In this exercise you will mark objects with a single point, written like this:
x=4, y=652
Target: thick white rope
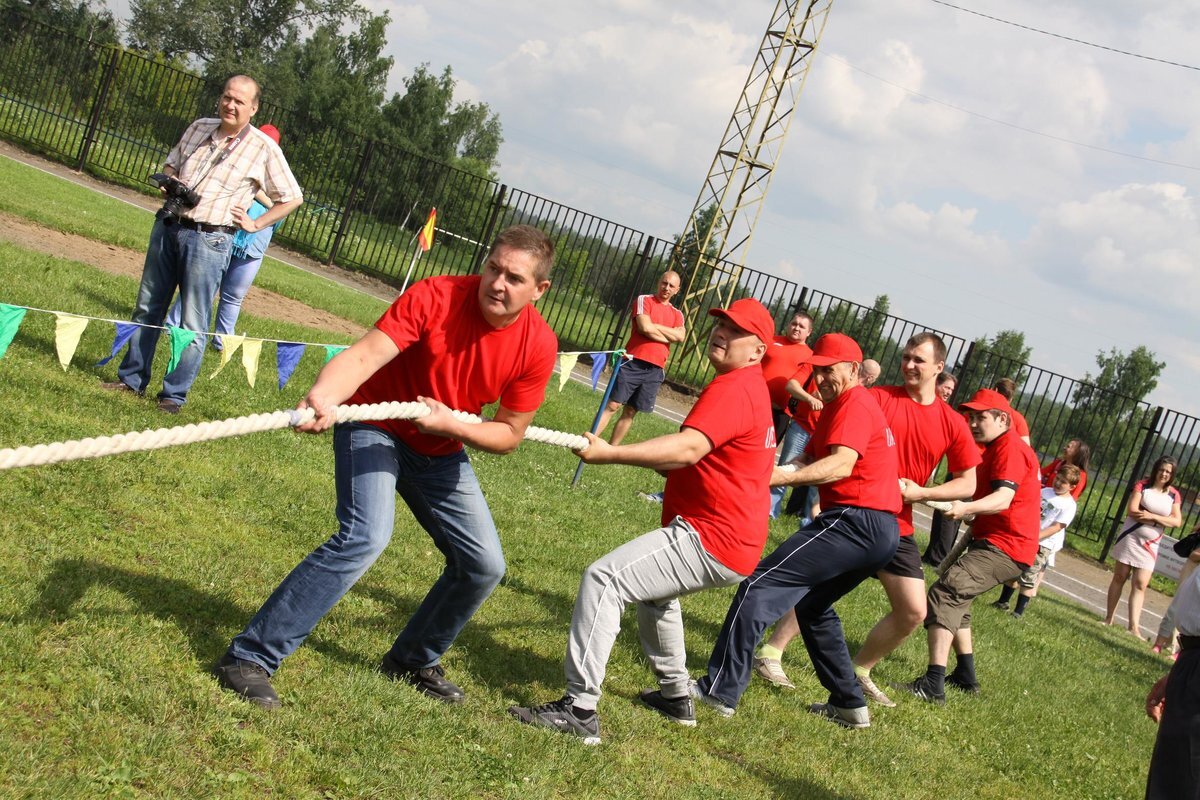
x=157, y=439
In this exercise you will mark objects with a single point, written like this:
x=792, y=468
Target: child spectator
x=1058, y=509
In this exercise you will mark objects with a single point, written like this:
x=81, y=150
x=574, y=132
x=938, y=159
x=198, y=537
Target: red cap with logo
x=834, y=348
x=749, y=315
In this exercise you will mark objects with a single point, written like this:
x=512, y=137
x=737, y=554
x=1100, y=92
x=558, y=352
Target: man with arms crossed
x=656, y=326
x=714, y=524
x=1007, y=509
x=926, y=430
x=439, y=330
x=853, y=463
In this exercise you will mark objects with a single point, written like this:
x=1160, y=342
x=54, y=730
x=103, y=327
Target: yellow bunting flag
x=229, y=346
x=566, y=363
x=250, y=351
x=425, y=237
x=67, y=330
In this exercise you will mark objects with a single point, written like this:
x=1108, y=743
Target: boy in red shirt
x=1007, y=511
x=714, y=524
x=440, y=331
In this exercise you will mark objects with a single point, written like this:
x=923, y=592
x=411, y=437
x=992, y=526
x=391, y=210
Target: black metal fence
x=116, y=114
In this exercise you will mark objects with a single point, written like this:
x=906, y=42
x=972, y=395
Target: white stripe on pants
x=653, y=570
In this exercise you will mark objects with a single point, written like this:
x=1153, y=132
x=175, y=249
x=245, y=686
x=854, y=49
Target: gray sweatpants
x=653, y=570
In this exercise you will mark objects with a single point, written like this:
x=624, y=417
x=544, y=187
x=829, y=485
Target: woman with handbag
x=1154, y=506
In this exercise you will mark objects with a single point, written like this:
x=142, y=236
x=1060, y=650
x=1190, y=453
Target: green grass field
x=126, y=577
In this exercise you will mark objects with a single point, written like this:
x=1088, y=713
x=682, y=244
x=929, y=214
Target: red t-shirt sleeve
x=528, y=389
x=1009, y=465
x=964, y=452
x=850, y=427
x=716, y=415
x=407, y=317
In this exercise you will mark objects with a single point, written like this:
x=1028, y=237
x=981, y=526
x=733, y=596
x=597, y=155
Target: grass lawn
x=128, y=576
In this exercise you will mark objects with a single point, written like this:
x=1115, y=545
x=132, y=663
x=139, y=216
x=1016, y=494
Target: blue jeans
x=238, y=278
x=193, y=262
x=793, y=445
x=370, y=468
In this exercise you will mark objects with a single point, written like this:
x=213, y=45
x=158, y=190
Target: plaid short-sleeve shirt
x=256, y=163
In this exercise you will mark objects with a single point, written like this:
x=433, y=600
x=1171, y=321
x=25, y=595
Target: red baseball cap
x=271, y=131
x=749, y=315
x=986, y=400
x=834, y=348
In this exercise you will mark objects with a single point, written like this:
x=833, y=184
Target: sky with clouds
x=893, y=179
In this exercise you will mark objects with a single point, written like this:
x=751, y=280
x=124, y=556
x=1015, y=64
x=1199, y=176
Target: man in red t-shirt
x=656, y=326
x=1019, y=425
x=451, y=343
x=1004, y=543
x=714, y=525
x=786, y=368
x=926, y=430
x=853, y=463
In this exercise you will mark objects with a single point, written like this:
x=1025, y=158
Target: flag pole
x=618, y=359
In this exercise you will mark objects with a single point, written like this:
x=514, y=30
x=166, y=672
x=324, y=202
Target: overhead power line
x=1065, y=38
x=1012, y=125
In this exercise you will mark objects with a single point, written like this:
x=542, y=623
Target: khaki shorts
x=1028, y=579
x=982, y=567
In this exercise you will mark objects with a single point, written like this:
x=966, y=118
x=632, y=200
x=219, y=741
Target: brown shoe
x=119, y=386
x=169, y=406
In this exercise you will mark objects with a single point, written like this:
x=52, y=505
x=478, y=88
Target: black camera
x=180, y=198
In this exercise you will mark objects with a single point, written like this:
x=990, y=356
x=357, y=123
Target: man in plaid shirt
x=226, y=161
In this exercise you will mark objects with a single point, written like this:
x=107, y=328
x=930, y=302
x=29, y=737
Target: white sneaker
x=846, y=717
x=874, y=693
x=771, y=671
x=710, y=701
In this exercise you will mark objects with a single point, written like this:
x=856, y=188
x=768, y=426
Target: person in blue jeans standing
x=244, y=262
x=437, y=333
x=221, y=163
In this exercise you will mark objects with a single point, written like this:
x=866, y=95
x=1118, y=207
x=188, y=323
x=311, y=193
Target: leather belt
x=1189, y=642
x=204, y=227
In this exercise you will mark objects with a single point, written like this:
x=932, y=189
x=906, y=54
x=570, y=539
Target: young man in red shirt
x=785, y=368
x=714, y=525
x=1007, y=510
x=853, y=463
x=441, y=329
x=926, y=430
x=656, y=326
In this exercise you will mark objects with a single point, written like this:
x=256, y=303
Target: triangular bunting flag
x=287, y=356
x=180, y=339
x=332, y=350
x=566, y=363
x=125, y=331
x=10, y=320
x=230, y=344
x=250, y=352
x=598, y=362
x=67, y=331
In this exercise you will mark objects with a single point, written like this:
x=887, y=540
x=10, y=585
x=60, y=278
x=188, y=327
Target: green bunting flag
x=332, y=350
x=10, y=320
x=180, y=339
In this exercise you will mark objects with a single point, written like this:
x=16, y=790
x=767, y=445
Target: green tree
x=85, y=19
x=1108, y=405
x=1004, y=355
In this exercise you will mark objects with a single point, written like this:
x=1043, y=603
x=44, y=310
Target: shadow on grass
x=784, y=785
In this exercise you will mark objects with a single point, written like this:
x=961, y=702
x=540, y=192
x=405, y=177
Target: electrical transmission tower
x=718, y=231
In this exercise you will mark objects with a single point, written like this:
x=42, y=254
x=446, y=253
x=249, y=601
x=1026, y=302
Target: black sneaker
x=969, y=687
x=248, y=679
x=677, y=709
x=429, y=681
x=923, y=689
x=559, y=716
x=1000, y=605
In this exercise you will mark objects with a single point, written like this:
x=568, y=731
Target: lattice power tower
x=741, y=172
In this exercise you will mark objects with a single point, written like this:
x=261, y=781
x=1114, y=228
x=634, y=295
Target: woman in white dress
x=1154, y=506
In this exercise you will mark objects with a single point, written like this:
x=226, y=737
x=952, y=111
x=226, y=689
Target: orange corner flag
x=425, y=237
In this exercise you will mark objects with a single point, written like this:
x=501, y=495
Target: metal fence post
x=801, y=304
x=634, y=287
x=489, y=227
x=1119, y=516
x=360, y=174
x=964, y=369
x=98, y=104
